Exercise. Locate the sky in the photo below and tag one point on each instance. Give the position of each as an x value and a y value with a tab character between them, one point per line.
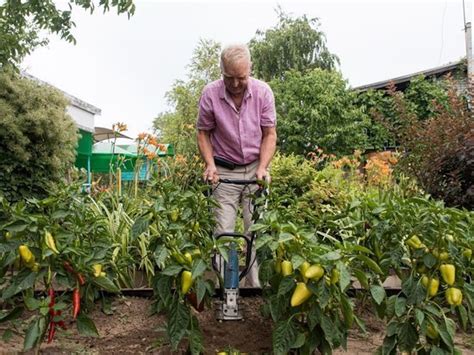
125	66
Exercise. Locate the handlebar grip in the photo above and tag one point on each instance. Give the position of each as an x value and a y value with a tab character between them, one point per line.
238	181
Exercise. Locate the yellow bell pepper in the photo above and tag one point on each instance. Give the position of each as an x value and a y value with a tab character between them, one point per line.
335	274
414	242
277	266
300	294
26	255
49	239
188	257
454	296
35	267
314	272
304	267
448	273
431	284
286	268
97	269
186	281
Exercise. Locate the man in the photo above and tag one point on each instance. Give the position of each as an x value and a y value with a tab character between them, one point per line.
236	124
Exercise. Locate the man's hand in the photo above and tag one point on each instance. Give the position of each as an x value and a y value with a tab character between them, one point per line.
210	174
263	174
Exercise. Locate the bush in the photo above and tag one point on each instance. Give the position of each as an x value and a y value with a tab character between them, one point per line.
438	150
37	137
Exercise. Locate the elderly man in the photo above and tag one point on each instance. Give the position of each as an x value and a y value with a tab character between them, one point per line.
236	137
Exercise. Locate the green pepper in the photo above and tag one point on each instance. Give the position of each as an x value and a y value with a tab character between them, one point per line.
467	253
432	332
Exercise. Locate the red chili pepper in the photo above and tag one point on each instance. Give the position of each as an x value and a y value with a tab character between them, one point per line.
76	302
51	301
81	279
61	322
52	331
68	267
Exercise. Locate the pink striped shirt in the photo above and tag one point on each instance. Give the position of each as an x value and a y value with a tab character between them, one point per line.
236	135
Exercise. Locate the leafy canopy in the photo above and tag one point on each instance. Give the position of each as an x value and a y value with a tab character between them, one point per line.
315	110
294	43
21	22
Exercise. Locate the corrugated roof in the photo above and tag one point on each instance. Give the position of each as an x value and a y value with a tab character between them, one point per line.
433	72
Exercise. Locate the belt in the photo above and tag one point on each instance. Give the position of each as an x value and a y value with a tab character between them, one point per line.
229	164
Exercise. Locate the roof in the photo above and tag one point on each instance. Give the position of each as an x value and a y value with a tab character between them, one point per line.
74	101
403	81
110	148
102	133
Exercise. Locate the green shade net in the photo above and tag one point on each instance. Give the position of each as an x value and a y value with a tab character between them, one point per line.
108	157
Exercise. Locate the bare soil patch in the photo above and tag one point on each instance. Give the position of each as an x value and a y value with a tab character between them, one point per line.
130	330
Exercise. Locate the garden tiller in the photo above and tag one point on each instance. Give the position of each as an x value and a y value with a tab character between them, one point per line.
229	307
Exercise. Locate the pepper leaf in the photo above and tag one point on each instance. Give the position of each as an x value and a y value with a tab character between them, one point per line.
86	327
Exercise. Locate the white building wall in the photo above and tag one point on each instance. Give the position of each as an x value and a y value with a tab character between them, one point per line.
83	119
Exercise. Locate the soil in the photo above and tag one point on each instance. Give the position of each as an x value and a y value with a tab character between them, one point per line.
130	330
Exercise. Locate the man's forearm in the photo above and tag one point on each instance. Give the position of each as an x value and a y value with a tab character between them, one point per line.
205	147
268	147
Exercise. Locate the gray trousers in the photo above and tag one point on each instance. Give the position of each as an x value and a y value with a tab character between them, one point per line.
230	197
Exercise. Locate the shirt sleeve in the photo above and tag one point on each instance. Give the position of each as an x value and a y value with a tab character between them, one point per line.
268	117
206	119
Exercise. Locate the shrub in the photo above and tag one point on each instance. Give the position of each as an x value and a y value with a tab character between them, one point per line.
37	137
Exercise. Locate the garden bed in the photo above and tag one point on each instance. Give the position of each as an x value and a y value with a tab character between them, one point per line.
130	330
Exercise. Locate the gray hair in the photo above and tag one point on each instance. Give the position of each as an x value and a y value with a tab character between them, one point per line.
234	53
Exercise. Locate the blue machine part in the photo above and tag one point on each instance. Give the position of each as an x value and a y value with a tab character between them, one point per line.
231	269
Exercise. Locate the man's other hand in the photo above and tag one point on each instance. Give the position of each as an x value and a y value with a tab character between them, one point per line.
210	174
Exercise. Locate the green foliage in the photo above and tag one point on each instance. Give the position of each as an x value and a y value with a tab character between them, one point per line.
293	44
21	22
374	103
178	126
316	110
37	137
421	98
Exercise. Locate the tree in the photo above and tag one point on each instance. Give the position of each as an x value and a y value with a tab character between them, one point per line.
37	137
21	22
294	43
178	126
316	110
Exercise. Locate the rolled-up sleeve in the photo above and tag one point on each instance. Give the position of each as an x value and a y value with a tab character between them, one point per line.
268	116
206	119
